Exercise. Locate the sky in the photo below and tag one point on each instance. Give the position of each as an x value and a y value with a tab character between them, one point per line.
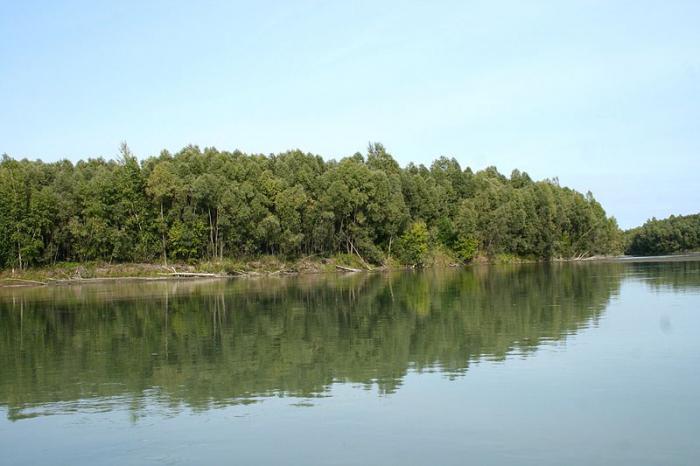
604	95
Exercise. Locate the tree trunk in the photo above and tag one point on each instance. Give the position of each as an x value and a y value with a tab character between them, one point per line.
216	234
162	234
211	233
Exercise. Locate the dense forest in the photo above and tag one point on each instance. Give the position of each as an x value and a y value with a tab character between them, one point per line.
210	205
673	234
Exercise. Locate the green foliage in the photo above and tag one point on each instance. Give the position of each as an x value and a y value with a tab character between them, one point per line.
674	234
413	244
187	239
466	247
211	205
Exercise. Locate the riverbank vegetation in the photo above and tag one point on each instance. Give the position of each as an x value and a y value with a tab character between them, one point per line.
207	206
667	236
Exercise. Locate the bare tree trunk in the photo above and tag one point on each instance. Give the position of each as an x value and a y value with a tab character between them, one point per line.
216	234
162	234
361	259
211	233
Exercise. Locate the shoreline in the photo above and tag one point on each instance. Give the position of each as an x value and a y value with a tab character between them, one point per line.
72	273
96	272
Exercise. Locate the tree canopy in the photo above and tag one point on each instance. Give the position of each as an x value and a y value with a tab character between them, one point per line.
210	204
673	234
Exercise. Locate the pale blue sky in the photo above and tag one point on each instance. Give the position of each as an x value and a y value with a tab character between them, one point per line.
603	94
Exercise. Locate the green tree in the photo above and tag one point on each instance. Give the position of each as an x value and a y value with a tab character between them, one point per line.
163	186
413	244
196	204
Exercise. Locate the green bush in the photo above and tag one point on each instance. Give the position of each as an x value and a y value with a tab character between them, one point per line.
466	247
413	244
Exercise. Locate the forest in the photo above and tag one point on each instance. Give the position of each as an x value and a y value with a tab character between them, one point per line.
673	234
198	205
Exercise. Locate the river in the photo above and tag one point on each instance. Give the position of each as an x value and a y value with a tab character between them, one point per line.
540	364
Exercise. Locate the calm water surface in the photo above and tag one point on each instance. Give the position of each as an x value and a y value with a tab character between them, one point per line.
574	364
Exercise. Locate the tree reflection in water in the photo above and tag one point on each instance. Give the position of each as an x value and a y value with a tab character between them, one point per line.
206	344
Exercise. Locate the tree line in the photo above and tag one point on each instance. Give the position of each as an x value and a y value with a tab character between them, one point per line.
673	234
210	204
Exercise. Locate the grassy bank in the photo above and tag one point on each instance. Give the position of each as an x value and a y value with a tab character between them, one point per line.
66	272
74	272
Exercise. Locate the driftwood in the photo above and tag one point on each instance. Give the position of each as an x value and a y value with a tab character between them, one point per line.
70	281
347	269
367	266
33	282
192	274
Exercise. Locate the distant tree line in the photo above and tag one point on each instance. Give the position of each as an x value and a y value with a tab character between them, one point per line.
208	204
673	234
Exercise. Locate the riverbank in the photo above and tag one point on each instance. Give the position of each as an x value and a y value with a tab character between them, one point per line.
97	272
88	272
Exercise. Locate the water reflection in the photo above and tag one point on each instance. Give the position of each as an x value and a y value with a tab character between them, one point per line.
203	344
681	276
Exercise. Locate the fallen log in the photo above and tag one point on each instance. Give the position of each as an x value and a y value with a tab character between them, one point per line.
28	282
347	269
192	274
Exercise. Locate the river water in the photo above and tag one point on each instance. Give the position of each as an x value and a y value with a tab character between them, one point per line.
558	364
